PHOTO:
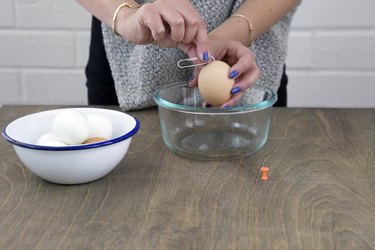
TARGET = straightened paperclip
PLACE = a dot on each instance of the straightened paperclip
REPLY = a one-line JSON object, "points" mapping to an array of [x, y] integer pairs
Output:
{"points": [[193, 64]]}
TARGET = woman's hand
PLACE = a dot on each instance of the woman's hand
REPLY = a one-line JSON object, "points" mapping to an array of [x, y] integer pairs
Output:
{"points": [[239, 57], [166, 23]]}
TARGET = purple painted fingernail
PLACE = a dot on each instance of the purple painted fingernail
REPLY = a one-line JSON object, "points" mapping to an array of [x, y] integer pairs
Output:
{"points": [[205, 56], [235, 90], [191, 77], [233, 74], [226, 106]]}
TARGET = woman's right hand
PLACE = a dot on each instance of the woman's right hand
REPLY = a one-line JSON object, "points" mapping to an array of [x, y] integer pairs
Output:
{"points": [[166, 23]]}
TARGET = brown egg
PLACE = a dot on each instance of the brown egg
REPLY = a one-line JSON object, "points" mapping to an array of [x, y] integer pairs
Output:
{"points": [[94, 139], [214, 83]]}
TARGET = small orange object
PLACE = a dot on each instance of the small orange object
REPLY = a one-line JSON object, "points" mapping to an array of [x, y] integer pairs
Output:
{"points": [[264, 170]]}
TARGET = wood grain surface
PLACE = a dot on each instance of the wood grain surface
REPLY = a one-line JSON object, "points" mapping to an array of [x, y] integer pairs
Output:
{"points": [[320, 193]]}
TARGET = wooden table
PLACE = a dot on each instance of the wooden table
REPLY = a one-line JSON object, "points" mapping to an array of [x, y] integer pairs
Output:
{"points": [[320, 193]]}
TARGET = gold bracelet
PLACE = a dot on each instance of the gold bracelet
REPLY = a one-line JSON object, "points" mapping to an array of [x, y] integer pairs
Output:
{"points": [[251, 28], [116, 12]]}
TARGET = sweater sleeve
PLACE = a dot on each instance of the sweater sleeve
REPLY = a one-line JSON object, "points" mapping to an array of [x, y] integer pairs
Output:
{"points": [[139, 70]]}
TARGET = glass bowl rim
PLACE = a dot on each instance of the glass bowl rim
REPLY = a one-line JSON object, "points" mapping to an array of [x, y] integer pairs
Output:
{"points": [[213, 110]]}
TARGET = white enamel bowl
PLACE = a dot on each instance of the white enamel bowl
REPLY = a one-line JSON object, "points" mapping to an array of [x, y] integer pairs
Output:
{"points": [[70, 164]]}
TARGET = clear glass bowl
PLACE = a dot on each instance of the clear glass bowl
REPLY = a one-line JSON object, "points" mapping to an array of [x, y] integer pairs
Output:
{"points": [[201, 133]]}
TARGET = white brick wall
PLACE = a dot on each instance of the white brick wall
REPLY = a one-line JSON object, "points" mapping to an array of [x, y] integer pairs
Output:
{"points": [[331, 60], [44, 48], [43, 51]]}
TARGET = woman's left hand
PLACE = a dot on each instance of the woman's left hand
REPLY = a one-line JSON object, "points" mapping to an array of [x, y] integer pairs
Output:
{"points": [[241, 60]]}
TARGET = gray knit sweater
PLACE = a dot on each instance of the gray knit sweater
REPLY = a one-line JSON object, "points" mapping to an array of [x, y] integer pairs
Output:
{"points": [[138, 70]]}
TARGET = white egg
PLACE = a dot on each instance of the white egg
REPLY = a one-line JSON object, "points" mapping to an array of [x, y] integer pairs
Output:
{"points": [[100, 126], [71, 127], [46, 138], [49, 139], [54, 144]]}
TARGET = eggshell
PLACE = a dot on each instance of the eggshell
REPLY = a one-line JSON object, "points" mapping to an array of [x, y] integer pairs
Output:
{"points": [[49, 139], [100, 126], [214, 83], [94, 139], [46, 138], [71, 127], [54, 144]]}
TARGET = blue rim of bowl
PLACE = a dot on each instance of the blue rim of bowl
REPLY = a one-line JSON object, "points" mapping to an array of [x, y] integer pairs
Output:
{"points": [[213, 110], [73, 147]]}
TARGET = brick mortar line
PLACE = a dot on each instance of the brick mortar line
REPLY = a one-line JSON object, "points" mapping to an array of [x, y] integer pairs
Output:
{"points": [[324, 71], [52, 30], [315, 29], [45, 69]]}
